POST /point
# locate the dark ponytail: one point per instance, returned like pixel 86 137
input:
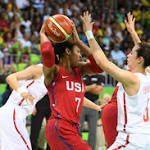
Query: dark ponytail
pixel 144 51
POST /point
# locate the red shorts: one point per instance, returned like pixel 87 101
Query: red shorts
pixel 62 135
pixel 109 122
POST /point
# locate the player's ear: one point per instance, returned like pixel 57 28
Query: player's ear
pixel 57 57
pixel 67 51
pixel 140 60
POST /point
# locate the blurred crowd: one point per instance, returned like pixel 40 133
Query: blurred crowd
pixel 21 20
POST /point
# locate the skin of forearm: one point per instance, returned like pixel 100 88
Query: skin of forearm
pixel 105 64
pixel 135 37
pixel 90 104
pixel 98 54
pixel 13 82
pixel 84 48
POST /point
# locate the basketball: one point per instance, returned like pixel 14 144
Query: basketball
pixel 58 28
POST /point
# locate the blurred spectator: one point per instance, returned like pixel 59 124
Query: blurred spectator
pixel 20 16
pixel 15 23
pixel 4 24
pixel 26 22
pixel 9 39
pixel 107 53
pixel 106 38
pixel 138 29
pixel 118 55
pixel 39 5
pixel 25 41
pixel 20 32
pixel 137 13
pixel 22 4
pixel 65 9
pixel 46 14
pixel 121 14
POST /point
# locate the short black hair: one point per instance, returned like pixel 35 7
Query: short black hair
pixel 59 49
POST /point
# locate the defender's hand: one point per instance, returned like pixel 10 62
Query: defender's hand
pixel 102 106
pixel 130 22
pixel 86 21
pixel 28 97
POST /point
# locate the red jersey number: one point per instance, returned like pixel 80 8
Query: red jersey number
pixel 146 115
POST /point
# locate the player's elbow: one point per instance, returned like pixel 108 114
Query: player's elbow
pixel 9 78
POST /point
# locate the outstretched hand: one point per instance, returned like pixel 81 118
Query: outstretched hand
pixel 130 22
pixel 86 21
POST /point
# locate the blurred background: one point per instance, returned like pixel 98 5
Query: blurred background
pixel 21 20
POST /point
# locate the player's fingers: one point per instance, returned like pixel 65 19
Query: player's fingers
pixel 31 98
pixel 84 14
pixel 128 13
pixel 125 21
pixel 82 18
pixel 92 23
pixel 133 20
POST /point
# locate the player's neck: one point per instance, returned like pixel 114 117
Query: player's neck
pixel 67 66
pixel 139 70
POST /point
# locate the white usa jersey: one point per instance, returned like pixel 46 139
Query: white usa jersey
pixel 134 111
pixel 35 87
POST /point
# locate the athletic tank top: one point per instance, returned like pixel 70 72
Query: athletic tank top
pixel 134 111
pixel 66 94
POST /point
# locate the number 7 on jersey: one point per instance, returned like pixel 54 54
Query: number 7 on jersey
pixel 78 100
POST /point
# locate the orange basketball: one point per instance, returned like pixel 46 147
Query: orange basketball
pixel 58 28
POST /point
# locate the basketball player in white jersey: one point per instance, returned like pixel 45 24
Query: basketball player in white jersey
pixel 133 97
pixel 28 88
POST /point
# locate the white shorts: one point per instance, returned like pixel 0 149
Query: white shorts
pixel 13 132
pixel 131 142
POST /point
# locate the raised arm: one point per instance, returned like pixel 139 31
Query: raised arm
pixel 32 72
pixel 75 39
pixel 48 57
pixel 89 66
pixel 130 23
pixel 126 78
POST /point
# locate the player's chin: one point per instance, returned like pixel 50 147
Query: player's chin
pixel 128 63
pixel 76 64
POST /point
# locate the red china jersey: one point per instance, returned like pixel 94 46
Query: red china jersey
pixel 66 95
